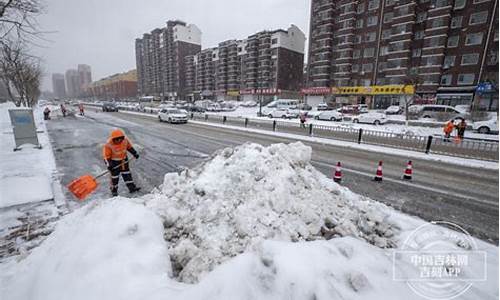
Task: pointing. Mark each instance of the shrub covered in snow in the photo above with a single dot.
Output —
(250, 193)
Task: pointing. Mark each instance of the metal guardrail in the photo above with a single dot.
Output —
(477, 149)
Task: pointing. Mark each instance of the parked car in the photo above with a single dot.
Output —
(172, 115)
(394, 110)
(324, 106)
(490, 126)
(370, 118)
(279, 104)
(463, 108)
(195, 108)
(249, 103)
(362, 108)
(304, 106)
(329, 115)
(109, 106)
(283, 113)
(348, 109)
(433, 111)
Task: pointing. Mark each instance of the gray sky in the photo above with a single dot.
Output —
(101, 33)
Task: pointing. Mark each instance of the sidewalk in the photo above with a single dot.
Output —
(27, 175)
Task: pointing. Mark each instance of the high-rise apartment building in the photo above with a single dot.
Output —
(160, 59)
(58, 85)
(72, 83)
(378, 51)
(85, 76)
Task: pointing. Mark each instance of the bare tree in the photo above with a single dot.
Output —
(18, 20)
(412, 79)
(21, 74)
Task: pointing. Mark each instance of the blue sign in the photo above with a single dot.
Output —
(484, 87)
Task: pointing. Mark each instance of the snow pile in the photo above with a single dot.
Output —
(246, 194)
(109, 250)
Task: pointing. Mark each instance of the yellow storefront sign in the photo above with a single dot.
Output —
(234, 93)
(374, 90)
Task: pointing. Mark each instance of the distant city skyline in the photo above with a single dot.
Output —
(102, 33)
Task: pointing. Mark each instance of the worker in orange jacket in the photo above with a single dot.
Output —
(115, 155)
(448, 129)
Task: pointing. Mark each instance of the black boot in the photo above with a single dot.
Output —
(134, 189)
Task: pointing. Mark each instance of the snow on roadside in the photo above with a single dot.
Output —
(249, 193)
(228, 224)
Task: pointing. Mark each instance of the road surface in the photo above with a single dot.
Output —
(439, 191)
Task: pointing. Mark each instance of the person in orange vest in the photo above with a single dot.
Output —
(448, 129)
(82, 112)
(115, 155)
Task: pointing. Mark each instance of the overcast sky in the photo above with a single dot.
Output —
(101, 33)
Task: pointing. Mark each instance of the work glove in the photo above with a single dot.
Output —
(108, 165)
(136, 155)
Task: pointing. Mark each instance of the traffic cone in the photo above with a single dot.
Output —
(378, 175)
(337, 176)
(408, 171)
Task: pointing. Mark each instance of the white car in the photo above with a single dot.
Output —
(172, 115)
(283, 113)
(486, 126)
(329, 115)
(393, 110)
(370, 118)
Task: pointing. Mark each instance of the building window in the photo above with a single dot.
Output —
(416, 52)
(371, 36)
(359, 23)
(495, 35)
(390, 2)
(388, 17)
(479, 1)
(493, 58)
(372, 20)
(421, 17)
(356, 53)
(386, 34)
(449, 61)
(357, 39)
(361, 8)
(365, 82)
(464, 79)
(373, 4)
(453, 41)
(478, 18)
(434, 42)
(439, 3)
(382, 66)
(438, 22)
(446, 79)
(274, 41)
(456, 22)
(404, 10)
(384, 50)
(459, 4)
(368, 52)
(419, 35)
(399, 29)
(470, 59)
(367, 68)
(474, 39)
(355, 68)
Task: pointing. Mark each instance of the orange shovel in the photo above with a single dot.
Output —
(86, 184)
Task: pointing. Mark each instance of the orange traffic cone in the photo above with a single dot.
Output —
(378, 175)
(337, 176)
(408, 171)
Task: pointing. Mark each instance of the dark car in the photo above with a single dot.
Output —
(304, 106)
(109, 106)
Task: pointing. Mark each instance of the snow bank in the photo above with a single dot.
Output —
(108, 250)
(246, 194)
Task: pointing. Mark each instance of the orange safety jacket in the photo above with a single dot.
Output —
(116, 152)
(448, 128)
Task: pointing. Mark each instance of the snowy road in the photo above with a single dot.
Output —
(439, 191)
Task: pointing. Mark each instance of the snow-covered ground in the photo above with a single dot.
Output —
(26, 175)
(253, 222)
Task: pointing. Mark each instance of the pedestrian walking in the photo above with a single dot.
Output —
(448, 129)
(461, 129)
(46, 113)
(303, 120)
(115, 156)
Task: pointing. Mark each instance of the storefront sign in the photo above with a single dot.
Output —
(374, 90)
(316, 91)
(24, 128)
(260, 92)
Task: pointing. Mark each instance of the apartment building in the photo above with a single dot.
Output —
(117, 86)
(72, 83)
(378, 51)
(58, 85)
(160, 59)
(205, 74)
(84, 75)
